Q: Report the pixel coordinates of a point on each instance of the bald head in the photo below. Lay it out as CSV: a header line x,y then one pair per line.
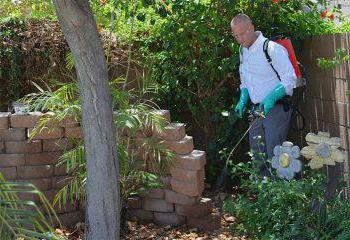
x,y
241,18
243,30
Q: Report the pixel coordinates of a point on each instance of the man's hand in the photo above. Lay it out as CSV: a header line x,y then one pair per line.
x,y
240,109
270,100
241,105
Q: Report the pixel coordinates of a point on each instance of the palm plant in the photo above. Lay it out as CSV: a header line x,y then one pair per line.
x,y
134,115
24,219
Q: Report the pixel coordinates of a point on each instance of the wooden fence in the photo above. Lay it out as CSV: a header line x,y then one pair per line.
x,y
326,103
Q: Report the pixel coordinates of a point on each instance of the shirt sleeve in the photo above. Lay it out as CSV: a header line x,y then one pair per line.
x,y
241,73
283,66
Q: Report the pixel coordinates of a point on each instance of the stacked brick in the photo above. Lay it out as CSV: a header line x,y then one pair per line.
x,y
179,201
35,160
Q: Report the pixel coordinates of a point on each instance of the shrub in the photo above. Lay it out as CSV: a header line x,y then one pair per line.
x,y
292,210
194,58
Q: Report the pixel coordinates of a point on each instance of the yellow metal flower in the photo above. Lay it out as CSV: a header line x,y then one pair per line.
x,y
322,150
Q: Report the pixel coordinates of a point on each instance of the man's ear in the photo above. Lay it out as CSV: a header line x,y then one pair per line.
x,y
253,27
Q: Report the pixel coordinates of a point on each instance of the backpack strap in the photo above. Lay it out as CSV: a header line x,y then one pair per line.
x,y
240,54
268,58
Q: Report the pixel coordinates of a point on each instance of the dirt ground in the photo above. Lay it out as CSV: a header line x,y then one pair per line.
x,y
151,231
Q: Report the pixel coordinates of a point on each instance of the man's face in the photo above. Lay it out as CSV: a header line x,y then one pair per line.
x,y
242,32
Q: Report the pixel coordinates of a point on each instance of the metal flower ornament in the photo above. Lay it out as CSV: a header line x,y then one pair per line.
x,y
322,150
285,160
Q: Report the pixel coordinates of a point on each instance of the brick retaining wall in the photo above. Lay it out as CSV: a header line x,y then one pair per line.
x,y
35,161
179,201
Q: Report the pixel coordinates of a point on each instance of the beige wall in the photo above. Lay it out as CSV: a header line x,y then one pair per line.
x,y
344,6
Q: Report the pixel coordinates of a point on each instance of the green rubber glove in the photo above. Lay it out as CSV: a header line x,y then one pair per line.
x,y
270,100
242,103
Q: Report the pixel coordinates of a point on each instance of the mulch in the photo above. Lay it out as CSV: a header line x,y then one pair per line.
x,y
138,231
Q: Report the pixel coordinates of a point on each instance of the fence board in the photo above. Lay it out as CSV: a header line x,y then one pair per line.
x,y
326,103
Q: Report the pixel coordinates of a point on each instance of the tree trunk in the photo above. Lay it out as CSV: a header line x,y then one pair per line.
x,y
103,206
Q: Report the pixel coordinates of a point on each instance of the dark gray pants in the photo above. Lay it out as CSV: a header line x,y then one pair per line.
x,y
266,133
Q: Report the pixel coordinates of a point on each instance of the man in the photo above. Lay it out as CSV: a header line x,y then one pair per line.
x,y
261,84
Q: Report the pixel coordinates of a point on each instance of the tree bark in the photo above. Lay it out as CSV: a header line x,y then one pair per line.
x,y
103,203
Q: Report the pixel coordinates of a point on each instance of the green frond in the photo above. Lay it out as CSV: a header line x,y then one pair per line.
x,y
132,113
70,64
23,218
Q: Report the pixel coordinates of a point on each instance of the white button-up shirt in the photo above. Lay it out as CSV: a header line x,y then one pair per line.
x,y
257,74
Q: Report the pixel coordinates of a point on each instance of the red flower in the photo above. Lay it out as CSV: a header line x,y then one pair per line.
x,y
332,16
324,13
277,1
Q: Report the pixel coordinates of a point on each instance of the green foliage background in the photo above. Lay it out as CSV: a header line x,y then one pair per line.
x,y
194,58
188,49
292,210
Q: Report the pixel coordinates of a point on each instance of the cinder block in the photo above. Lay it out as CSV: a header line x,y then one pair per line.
x,y
187,175
193,161
26,120
157,205
11,160
134,202
59,182
68,122
183,146
201,209
24,147
42,158
53,145
50,195
163,113
73,132
208,223
66,208
2,147
4,120
187,188
33,172
172,132
142,216
70,219
13,134
171,219
43,184
165,180
60,170
178,198
9,173
153,193
46,133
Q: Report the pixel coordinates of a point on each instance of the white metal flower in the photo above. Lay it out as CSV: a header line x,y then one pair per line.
x,y
285,160
322,150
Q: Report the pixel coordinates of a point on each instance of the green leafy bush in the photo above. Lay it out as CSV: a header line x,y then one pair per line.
x,y
292,210
340,57
194,57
